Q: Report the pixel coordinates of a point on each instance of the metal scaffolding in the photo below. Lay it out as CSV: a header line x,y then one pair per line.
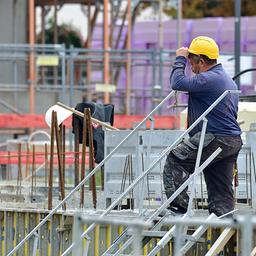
x,y
112,12
139,179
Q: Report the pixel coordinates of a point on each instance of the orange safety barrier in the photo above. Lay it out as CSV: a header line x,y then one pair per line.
x,y
11,121
13,158
130,121
28,121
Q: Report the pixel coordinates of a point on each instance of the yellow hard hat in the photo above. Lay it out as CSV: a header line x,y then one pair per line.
x,y
204,45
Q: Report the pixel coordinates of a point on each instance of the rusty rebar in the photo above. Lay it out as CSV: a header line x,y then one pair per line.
x,y
18,192
83,159
9,166
76,165
27,161
102,177
59,153
50,180
91,157
33,181
34,166
45,164
64,152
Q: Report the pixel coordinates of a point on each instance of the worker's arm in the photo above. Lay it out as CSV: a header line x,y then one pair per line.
x,y
180,82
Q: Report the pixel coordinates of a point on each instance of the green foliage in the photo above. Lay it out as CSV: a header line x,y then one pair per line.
x,y
67,35
212,8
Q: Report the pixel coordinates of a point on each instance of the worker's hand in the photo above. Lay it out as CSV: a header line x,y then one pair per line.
x,y
183,51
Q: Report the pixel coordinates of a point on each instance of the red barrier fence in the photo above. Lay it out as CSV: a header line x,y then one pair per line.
x,y
13,121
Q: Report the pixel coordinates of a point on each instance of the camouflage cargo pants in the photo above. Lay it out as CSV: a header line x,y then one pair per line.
x,y
218,175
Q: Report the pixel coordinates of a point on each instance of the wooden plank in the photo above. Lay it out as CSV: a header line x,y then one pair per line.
x,y
221,242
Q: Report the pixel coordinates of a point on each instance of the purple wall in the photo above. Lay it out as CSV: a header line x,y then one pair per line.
x,y
221,29
145,36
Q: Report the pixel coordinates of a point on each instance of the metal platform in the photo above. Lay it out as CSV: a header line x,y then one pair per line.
x,y
145,143
136,151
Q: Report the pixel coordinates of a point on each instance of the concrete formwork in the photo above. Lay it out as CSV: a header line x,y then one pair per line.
x,y
56,235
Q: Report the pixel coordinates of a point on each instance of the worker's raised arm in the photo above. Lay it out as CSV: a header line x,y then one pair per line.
x,y
180,82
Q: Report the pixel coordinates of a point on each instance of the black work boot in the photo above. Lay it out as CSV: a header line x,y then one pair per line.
x,y
178,209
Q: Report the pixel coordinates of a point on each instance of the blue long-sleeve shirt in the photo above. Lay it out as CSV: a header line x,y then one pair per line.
x,y
203,90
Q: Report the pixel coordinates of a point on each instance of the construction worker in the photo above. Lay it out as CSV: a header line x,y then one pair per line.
x,y
208,83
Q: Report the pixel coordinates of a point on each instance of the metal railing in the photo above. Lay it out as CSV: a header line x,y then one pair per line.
x,y
149,74
64,72
162,207
245,223
137,180
89,175
135,225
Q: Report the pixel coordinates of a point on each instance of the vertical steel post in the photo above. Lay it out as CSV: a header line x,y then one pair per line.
x,y
154,85
16,83
237,39
137,230
106,49
178,239
63,72
161,46
247,234
43,24
43,13
32,56
160,24
88,46
14,20
139,190
197,164
55,40
77,232
160,78
71,90
128,62
35,245
71,71
14,41
179,19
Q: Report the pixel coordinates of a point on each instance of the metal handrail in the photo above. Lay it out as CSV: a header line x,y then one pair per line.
x,y
246,223
138,179
134,183
170,233
28,46
170,199
88,176
135,224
